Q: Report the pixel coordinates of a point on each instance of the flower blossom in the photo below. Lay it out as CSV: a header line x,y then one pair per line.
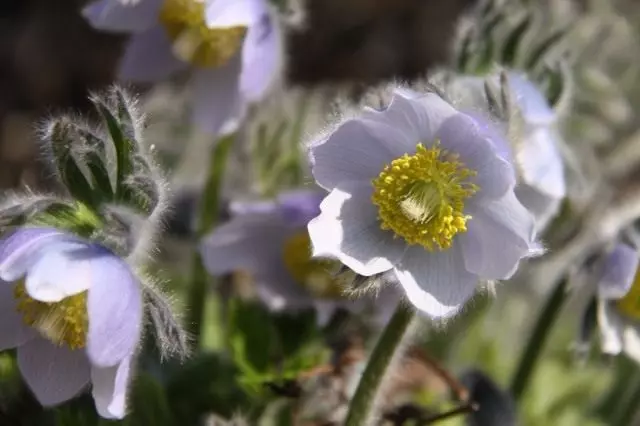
x,y
420,189
73,310
232,46
269,240
619,302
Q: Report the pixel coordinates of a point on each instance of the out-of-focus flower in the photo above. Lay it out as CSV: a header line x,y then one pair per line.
x,y
269,240
421,189
619,302
533,148
73,310
233,46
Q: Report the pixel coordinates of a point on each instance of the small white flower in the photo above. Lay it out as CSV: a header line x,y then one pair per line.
x,y
420,189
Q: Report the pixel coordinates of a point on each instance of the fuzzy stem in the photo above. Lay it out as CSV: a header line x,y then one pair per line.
x,y
362,404
548,316
207,218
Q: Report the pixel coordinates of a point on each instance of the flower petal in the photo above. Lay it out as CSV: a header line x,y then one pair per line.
x,y
149,57
232,13
262,60
115,310
533,104
611,327
299,207
53,373
348,229
18,250
542,207
110,387
436,283
541,163
218,107
499,235
247,242
461,134
14,331
618,270
62,270
279,291
631,342
118,16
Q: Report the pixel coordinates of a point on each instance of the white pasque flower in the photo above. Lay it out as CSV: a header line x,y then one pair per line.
x,y
420,189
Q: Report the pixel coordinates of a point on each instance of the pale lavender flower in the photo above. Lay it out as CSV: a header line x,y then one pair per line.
x,y
269,240
619,302
73,310
420,189
232,46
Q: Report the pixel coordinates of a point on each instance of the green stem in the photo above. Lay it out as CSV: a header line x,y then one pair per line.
x,y
548,316
629,404
362,404
207,218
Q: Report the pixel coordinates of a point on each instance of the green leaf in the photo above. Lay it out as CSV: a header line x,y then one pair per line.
x,y
251,336
537,54
514,40
465,52
296,329
149,403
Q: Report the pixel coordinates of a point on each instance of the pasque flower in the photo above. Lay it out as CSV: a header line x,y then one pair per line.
x,y
269,240
232,46
73,310
422,190
619,302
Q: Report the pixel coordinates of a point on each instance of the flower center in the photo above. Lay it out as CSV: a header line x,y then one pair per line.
x,y
193,41
312,274
629,305
421,197
61,322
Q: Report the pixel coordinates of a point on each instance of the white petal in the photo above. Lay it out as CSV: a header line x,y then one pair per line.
x,y
436,283
611,327
218,107
149,57
14,331
543,207
541,163
232,13
262,53
20,250
348,229
53,373
117,16
110,387
59,272
533,104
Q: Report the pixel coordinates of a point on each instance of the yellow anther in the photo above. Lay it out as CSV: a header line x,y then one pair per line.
x,y
194,42
629,305
316,275
63,322
421,197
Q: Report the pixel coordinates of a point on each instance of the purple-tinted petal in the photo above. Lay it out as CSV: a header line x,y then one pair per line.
x,y
619,268
299,207
462,135
115,311
18,250
63,269
348,229
541,163
149,57
261,58
218,107
279,291
110,387
13,330
253,207
436,283
533,104
542,207
117,16
53,373
491,249
611,327
246,242
232,13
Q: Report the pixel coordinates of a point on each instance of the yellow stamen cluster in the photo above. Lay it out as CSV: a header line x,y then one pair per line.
x,y
629,305
194,42
421,197
313,274
63,322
